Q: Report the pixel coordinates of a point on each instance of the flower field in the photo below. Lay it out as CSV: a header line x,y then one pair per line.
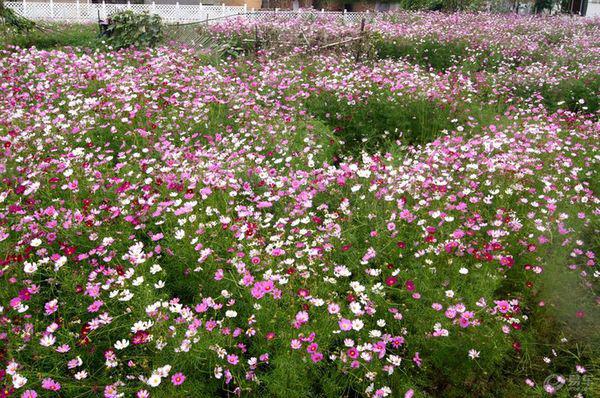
x,y
414,214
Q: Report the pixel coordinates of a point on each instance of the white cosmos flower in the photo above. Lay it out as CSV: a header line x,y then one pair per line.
x,y
394,360
47,340
163,371
18,380
357,324
81,375
155,269
30,268
126,295
154,380
473,353
59,263
138,281
121,344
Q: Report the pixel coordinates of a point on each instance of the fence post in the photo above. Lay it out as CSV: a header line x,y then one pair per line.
x,y
51,9
78,11
177,12
153,7
245,8
104,9
25,9
128,5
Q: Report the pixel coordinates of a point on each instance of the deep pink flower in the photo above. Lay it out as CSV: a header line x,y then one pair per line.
x,y
391,281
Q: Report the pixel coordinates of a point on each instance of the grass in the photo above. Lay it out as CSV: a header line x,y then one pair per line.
x,y
50,36
379,122
577,95
439,55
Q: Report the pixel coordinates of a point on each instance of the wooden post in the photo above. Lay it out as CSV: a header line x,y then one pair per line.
x,y
362,31
177,11
256,44
25,9
52,9
104,9
78,11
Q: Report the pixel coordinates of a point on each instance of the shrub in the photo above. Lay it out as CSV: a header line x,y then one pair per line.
x,y
128,29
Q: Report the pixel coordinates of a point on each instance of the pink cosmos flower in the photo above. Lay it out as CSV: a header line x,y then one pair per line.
x,y
503,306
177,379
450,313
417,359
316,357
95,306
51,307
142,394
232,359
345,324
50,384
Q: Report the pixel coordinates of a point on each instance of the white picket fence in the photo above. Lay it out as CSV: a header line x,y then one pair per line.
x,y
81,11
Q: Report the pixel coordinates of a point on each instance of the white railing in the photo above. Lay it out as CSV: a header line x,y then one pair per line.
x,y
82,11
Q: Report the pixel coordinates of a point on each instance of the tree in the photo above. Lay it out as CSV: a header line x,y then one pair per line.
x,y
11,19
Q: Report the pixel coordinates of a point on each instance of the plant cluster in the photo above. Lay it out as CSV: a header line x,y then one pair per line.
x,y
127,28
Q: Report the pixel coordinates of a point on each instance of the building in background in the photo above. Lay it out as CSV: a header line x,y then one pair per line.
x,y
590,8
